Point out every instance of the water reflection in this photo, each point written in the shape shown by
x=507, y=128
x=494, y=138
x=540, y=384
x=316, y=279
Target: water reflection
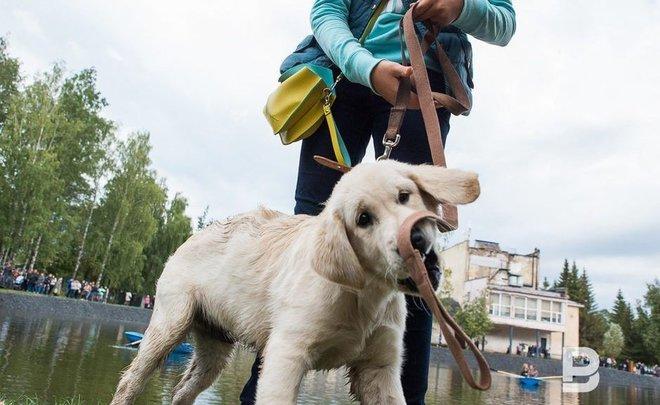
x=60, y=359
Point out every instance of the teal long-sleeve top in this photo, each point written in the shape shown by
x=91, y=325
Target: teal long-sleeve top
x=492, y=21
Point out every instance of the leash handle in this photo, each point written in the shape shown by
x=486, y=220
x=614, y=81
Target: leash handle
x=456, y=338
x=429, y=101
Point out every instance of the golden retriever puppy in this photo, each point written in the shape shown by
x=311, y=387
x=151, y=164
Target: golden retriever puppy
x=310, y=292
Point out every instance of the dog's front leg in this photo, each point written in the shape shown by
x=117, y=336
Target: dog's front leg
x=285, y=364
x=376, y=375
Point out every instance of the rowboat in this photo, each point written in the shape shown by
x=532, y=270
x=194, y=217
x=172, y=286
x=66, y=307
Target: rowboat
x=529, y=381
x=134, y=339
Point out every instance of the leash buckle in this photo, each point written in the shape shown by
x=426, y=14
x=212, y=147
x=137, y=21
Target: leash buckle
x=389, y=145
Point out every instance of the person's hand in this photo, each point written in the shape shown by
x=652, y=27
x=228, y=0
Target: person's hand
x=441, y=12
x=385, y=79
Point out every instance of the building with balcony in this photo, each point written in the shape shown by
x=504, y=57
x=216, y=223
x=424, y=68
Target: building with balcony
x=522, y=313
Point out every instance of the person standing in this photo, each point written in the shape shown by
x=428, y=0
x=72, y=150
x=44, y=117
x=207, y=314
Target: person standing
x=361, y=111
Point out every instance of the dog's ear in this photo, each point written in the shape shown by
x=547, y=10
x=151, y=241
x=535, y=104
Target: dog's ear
x=439, y=184
x=334, y=258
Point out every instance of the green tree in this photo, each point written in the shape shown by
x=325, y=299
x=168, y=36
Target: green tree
x=592, y=324
x=75, y=201
x=622, y=315
x=473, y=317
x=612, y=341
x=203, y=220
x=546, y=283
x=127, y=216
x=9, y=80
x=564, y=276
x=31, y=188
x=651, y=322
x=569, y=281
x=173, y=229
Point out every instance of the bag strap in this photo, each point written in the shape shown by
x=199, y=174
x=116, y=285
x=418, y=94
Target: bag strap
x=377, y=9
x=343, y=162
x=456, y=338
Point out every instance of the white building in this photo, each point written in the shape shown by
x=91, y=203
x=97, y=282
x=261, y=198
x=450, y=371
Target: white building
x=522, y=314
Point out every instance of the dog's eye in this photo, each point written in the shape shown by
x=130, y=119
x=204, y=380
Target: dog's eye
x=404, y=196
x=364, y=220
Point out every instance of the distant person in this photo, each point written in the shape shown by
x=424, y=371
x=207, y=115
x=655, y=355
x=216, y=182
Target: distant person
x=57, y=289
x=7, y=275
x=32, y=277
x=102, y=294
x=52, y=284
x=128, y=297
x=532, y=372
x=18, y=282
x=41, y=278
x=87, y=290
x=525, y=370
x=147, y=301
x=74, y=291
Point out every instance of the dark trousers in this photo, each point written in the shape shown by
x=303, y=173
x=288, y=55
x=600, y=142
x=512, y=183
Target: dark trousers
x=361, y=116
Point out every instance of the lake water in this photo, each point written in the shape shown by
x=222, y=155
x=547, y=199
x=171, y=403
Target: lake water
x=79, y=361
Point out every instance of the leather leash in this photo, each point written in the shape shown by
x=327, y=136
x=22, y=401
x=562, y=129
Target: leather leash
x=456, y=338
x=429, y=101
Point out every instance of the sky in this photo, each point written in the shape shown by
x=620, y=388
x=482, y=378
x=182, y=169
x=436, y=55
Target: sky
x=564, y=133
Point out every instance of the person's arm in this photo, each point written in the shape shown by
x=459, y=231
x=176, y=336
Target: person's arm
x=329, y=24
x=493, y=21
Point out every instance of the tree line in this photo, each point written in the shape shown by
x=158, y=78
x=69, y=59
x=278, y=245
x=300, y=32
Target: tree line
x=75, y=199
x=620, y=332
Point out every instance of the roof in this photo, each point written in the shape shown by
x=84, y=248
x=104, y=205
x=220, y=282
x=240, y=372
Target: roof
x=486, y=244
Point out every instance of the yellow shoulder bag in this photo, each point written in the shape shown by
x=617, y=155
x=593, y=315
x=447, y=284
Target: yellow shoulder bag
x=302, y=101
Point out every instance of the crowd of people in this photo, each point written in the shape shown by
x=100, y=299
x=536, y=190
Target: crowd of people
x=30, y=280
x=40, y=282
x=630, y=366
x=524, y=349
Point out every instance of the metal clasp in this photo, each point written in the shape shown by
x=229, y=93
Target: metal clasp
x=389, y=146
x=327, y=94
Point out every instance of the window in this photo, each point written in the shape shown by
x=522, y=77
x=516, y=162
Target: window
x=519, y=308
x=545, y=311
x=514, y=280
x=505, y=305
x=531, y=309
x=556, y=312
x=551, y=311
x=494, y=304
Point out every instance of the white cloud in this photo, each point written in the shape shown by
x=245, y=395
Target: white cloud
x=563, y=132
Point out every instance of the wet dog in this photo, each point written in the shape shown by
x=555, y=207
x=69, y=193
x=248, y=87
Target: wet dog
x=310, y=292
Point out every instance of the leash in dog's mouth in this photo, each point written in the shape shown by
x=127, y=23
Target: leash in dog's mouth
x=455, y=337
x=432, y=265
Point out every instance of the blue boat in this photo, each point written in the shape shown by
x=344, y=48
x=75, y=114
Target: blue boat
x=529, y=381
x=136, y=337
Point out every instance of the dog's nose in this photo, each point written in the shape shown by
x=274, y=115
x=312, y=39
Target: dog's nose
x=418, y=240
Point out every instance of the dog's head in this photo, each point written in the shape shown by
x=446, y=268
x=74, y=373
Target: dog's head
x=360, y=223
